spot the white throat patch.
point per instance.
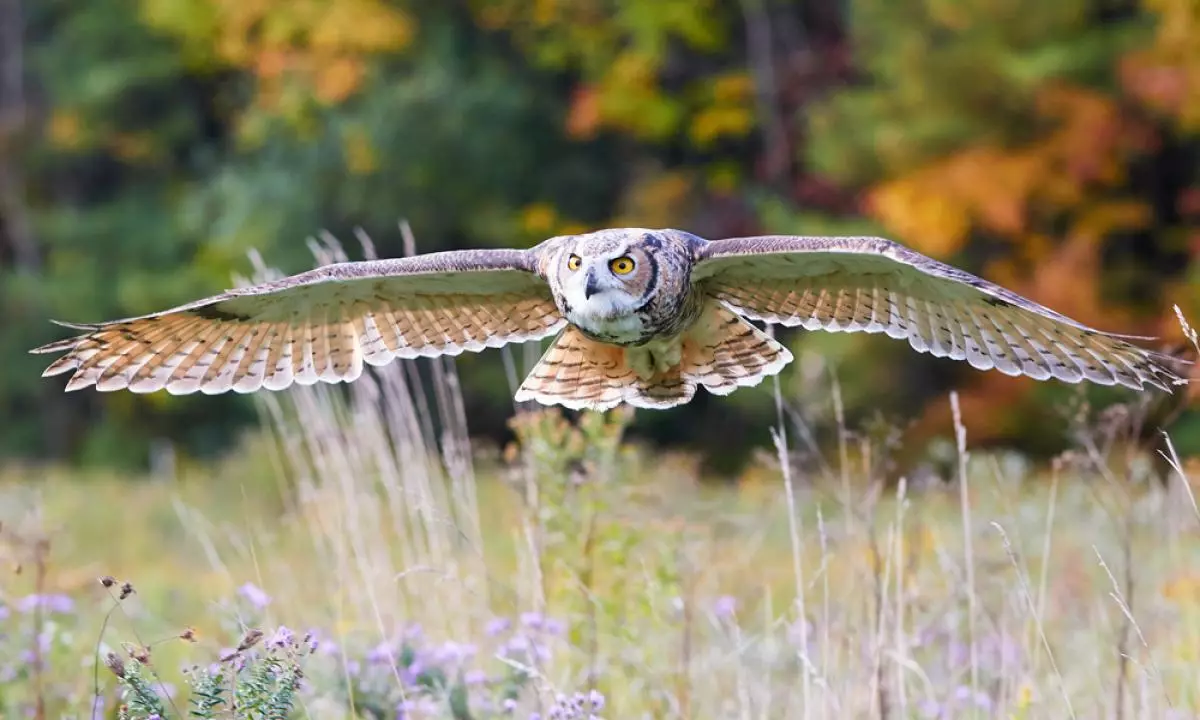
(608, 314)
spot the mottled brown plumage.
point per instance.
(646, 317)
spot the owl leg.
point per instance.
(668, 356)
(655, 358)
(641, 360)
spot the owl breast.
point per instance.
(611, 325)
(658, 319)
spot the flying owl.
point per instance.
(640, 316)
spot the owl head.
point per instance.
(612, 273)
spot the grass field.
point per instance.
(429, 578)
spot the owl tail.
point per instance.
(721, 351)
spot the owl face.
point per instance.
(622, 286)
(607, 282)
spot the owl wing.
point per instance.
(873, 285)
(318, 325)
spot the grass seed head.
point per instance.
(114, 663)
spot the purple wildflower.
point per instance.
(255, 595)
(929, 708)
(281, 638)
(453, 653)
(412, 632)
(55, 603)
(515, 644)
(532, 620)
(802, 634)
(315, 643)
(381, 653)
(725, 607)
(497, 626)
(421, 707)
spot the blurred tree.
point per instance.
(1048, 146)
(998, 136)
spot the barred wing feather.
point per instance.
(873, 285)
(321, 325)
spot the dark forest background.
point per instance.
(146, 146)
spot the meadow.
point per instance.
(362, 553)
(359, 557)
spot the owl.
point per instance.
(640, 316)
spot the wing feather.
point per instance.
(318, 326)
(873, 285)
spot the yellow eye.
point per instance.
(573, 262)
(621, 265)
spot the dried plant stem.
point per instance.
(1172, 457)
(964, 494)
(1047, 539)
(1123, 600)
(779, 436)
(901, 642)
(1037, 618)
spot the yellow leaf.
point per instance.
(538, 218)
(733, 88)
(545, 12)
(571, 228)
(930, 221)
(723, 177)
(1185, 589)
(1107, 217)
(132, 147)
(711, 124)
(338, 80)
(358, 150)
(65, 130)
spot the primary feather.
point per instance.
(317, 326)
(872, 285)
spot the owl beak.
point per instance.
(592, 287)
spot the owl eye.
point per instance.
(621, 265)
(573, 262)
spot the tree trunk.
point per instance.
(14, 215)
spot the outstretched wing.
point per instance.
(873, 285)
(318, 325)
